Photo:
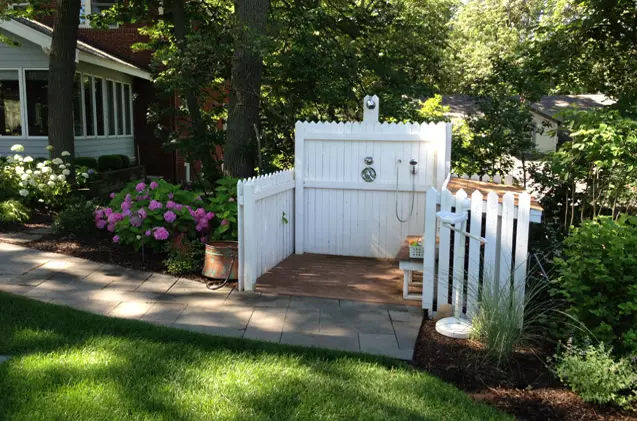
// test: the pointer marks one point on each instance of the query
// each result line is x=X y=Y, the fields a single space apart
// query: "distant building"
x=545 y=113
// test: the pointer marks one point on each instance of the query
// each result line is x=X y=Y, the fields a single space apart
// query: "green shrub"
x=596 y=376
x=508 y=317
x=182 y=264
x=86 y=161
x=13 y=211
x=77 y=218
x=597 y=275
x=125 y=161
x=109 y=163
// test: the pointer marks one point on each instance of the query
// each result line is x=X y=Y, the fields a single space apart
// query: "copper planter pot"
x=221 y=259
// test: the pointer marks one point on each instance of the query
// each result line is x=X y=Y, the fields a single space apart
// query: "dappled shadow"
x=98 y=368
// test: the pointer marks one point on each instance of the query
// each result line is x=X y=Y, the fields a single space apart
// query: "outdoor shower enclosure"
x=360 y=188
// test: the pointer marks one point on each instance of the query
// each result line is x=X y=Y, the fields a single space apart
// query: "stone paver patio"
x=110 y=290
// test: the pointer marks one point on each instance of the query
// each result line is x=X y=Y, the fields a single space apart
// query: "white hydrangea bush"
x=43 y=182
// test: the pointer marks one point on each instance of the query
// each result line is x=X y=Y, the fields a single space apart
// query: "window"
x=10 y=124
x=93 y=7
x=78 y=115
x=120 y=109
x=99 y=105
x=127 y=110
x=88 y=105
x=110 y=108
x=37 y=102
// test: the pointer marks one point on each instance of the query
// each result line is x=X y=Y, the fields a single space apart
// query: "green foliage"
x=86 y=161
x=125 y=161
x=588 y=46
x=186 y=258
x=77 y=218
x=597 y=279
x=596 y=376
x=508 y=317
x=224 y=204
x=487 y=31
x=12 y=210
x=37 y=183
x=110 y=163
x=432 y=110
x=593 y=174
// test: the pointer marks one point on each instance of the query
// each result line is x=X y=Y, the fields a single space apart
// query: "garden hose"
x=213 y=286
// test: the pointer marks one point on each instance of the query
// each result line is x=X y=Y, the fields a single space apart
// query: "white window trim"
x=119 y=112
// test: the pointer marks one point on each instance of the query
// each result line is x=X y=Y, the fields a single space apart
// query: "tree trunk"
x=61 y=75
x=245 y=89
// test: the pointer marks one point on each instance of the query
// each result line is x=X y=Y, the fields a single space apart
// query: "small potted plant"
x=416 y=250
x=221 y=260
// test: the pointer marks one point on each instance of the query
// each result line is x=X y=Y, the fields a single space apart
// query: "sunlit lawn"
x=71 y=365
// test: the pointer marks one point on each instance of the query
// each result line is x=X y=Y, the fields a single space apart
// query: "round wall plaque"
x=368 y=174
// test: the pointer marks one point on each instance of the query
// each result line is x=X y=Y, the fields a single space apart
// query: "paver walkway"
x=116 y=291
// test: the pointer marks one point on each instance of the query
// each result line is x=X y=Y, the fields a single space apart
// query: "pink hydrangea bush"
x=155 y=214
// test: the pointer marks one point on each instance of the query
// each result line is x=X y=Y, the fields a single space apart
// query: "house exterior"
x=545 y=114
x=112 y=93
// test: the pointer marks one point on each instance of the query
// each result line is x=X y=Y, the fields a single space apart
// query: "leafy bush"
x=35 y=182
x=159 y=212
x=86 y=161
x=185 y=257
x=13 y=211
x=508 y=317
x=77 y=218
x=125 y=161
x=109 y=163
x=597 y=275
x=596 y=376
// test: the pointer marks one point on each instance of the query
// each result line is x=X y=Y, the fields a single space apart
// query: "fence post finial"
x=371 y=105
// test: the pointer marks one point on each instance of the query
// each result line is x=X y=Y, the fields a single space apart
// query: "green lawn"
x=71 y=365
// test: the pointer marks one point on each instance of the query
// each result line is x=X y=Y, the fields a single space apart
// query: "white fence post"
x=444 y=251
x=241 y=229
x=250 y=230
x=299 y=203
x=491 y=235
x=458 y=256
x=473 y=272
x=429 y=249
x=506 y=243
x=521 y=246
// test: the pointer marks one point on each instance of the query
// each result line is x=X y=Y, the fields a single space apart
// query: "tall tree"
x=61 y=74
x=245 y=88
x=486 y=31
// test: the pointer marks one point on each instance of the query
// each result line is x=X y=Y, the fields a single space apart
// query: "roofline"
x=44 y=41
x=544 y=114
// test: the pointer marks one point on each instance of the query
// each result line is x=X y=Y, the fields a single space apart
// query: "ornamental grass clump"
x=509 y=317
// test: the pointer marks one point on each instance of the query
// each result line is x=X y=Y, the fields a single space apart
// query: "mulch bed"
x=526 y=389
x=37 y=220
x=99 y=247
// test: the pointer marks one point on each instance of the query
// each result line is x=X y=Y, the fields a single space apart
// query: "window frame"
x=24 y=89
x=23 y=110
x=88 y=10
x=119 y=113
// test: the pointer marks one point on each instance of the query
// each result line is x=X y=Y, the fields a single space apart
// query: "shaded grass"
x=72 y=365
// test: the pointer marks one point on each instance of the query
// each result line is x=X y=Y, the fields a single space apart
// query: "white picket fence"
x=266 y=224
x=503 y=258
x=497 y=179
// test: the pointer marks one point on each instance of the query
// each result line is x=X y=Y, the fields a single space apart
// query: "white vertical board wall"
x=266 y=224
x=338 y=212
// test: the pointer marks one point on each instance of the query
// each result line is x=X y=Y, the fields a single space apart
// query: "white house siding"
x=545 y=138
x=31 y=56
